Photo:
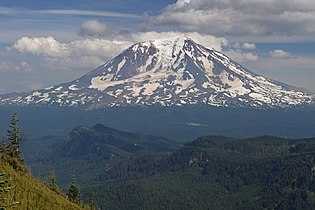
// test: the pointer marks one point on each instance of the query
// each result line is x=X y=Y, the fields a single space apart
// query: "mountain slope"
x=218 y=172
x=31 y=193
x=100 y=140
x=174 y=71
x=87 y=151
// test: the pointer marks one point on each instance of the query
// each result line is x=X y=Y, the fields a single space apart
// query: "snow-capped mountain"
x=175 y=71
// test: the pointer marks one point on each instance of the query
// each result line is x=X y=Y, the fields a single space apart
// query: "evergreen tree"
x=3 y=148
x=52 y=182
x=14 y=136
x=92 y=201
x=74 y=193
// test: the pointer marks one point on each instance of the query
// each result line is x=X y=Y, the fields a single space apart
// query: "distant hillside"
x=102 y=140
x=33 y=194
x=217 y=173
x=86 y=151
x=131 y=171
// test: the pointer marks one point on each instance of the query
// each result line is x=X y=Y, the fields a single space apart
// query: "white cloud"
x=93 y=28
x=240 y=56
x=9 y=67
x=182 y=3
x=238 y=18
x=241 y=52
x=245 y=45
x=205 y=40
x=249 y=46
x=50 y=47
x=90 y=53
x=46 y=46
x=86 y=53
x=278 y=53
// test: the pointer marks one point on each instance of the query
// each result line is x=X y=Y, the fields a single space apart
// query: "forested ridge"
x=216 y=173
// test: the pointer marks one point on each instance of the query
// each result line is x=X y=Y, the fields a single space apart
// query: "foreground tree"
x=13 y=149
x=74 y=193
x=92 y=201
x=14 y=136
x=52 y=182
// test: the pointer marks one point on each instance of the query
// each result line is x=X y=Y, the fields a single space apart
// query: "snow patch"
x=73 y=87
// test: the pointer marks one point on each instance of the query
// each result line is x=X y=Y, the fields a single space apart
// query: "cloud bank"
x=92 y=52
x=86 y=53
x=238 y=17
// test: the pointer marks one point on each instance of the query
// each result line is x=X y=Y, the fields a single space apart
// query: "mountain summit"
x=174 y=71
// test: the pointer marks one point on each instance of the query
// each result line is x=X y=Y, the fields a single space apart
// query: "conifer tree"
x=74 y=193
x=14 y=136
x=92 y=201
x=52 y=182
x=3 y=148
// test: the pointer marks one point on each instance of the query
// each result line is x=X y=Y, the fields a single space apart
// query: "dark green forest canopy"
x=218 y=172
x=213 y=171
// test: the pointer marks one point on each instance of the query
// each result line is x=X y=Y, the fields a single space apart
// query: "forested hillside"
x=86 y=151
x=216 y=173
x=131 y=171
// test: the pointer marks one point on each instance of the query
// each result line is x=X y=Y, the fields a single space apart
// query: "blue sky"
x=43 y=43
